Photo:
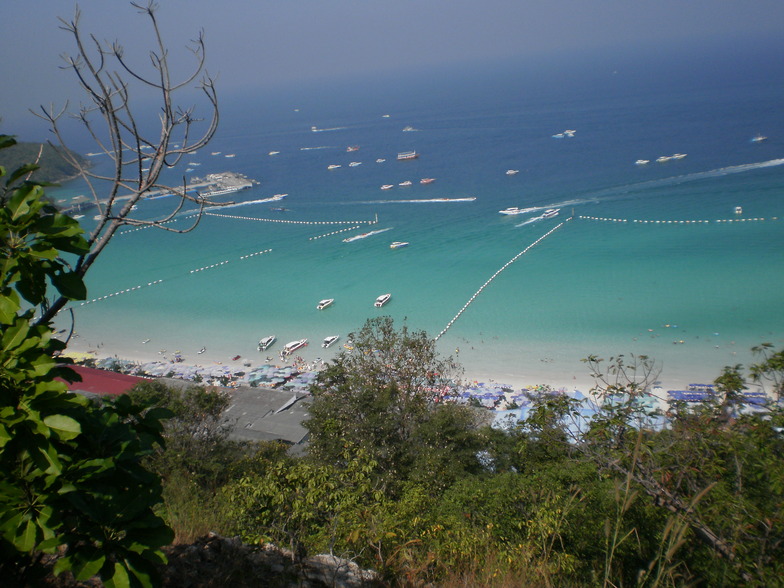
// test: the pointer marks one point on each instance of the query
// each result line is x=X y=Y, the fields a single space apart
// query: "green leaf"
x=25 y=541
x=119 y=578
x=84 y=570
x=70 y=285
x=66 y=427
x=22 y=171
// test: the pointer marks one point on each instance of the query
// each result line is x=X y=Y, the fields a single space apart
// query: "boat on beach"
x=266 y=342
x=330 y=340
x=324 y=303
x=291 y=347
x=382 y=300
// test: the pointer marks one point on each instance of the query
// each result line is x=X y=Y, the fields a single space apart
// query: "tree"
x=110 y=120
x=376 y=396
x=70 y=472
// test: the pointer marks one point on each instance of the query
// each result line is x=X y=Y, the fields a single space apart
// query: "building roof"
x=102 y=382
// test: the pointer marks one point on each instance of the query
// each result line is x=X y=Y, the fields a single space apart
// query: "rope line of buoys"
x=255 y=254
x=496 y=274
x=291 y=222
x=157 y=224
x=674 y=222
x=333 y=233
x=100 y=298
x=206 y=267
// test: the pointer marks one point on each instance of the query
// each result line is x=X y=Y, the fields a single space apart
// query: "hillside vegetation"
x=53 y=167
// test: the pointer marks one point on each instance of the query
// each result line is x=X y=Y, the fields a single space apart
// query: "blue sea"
x=641 y=259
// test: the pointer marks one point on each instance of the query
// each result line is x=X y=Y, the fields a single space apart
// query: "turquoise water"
x=696 y=296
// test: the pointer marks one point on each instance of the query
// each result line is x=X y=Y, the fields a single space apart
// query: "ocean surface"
x=641 y=259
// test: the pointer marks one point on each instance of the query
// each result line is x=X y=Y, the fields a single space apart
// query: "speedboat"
x=759 y=139
x=738 y=210
x=663 y=158
x=387 y=187
x=330 y=340
x=550 y=213
x=398 y=244
x=273 y=152
x=355 y=163
x=380 y=160
x=642 y=161
x=382 y=300
x=679 y=156
x=324 y=303
x=333 y=166
x=266 y=342
x=351 y=148
x=511 y=172
x=427 y=180
x=290 y=348
x=406 y=183
x=515 y=210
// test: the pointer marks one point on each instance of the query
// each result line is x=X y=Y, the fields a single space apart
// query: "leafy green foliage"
x=70 y=472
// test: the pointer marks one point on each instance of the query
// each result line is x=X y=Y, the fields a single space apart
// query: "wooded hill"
x=53 y=167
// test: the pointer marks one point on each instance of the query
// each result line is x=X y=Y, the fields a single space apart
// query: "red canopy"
x=102 y=381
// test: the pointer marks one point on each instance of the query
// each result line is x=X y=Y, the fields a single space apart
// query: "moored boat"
x=291 y=347
x=324 y=303
x=266 y=342
x=382 y=300
x=330 y=340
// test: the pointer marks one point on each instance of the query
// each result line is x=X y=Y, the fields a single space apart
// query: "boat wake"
x=366 y=235
x=317 y=148
x=419 y=201
x=317 y=130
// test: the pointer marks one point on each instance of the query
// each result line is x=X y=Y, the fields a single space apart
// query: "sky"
x=258 y=45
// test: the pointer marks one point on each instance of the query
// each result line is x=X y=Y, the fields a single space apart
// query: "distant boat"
x=351 y=148
x=738 y=210
x=231 y=155
x=333 y=166
x=404 y=184
x=387 y=187
x=398 y=244
x=273 y=152
x=642 y=161
x=758 y=139
x=355 y=163
x=408 y=129
x=407 y=155
x=325 y=303
x=550 y=213
x=330 y=340
x=427 y=180
x=663 y=158
x=511 y=172
x=380 y=160
x=515 y=210
x=382 y=300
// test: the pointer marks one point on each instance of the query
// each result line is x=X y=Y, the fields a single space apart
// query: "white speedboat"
x=511 y=172
x=290 y=348
x=405 y=184
x=324 y=303
x=663 y=158
x=427 y=180
x=382 y=300
x=398 y=244
x=759 y=139
x=266 y=342
x=550 y=213
x=355 y=163
x=380 y=160
x=333 y=166
x=679 y=156
x=738 y=210
x=642 y=161
x=387 y=187
x=515 y=210
x=273 y=152
x=330 y=340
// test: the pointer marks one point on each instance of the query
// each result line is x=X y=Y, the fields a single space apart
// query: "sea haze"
x=694 y=295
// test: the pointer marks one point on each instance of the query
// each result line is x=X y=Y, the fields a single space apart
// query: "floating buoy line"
x=497 y=273
x=292 y=222
x=156 y=282
x=674 y=222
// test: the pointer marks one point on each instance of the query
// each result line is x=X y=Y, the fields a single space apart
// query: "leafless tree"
x=106 y=76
